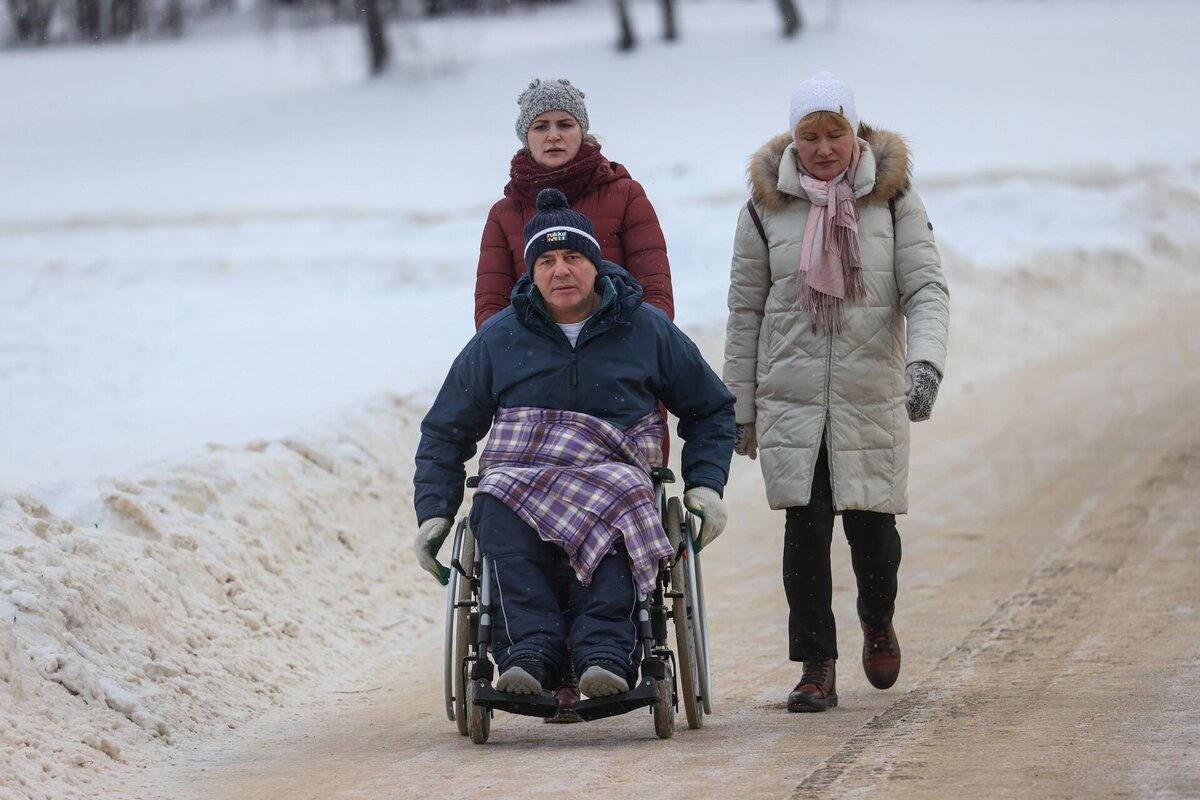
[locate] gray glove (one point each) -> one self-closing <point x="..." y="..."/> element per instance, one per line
<point x="746" y="441"/>
<point x="429" y="540"/>
<point x="710" y="508"/>
<point x="921" y="381"/>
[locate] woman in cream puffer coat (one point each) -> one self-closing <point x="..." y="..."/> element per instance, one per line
<point x="826" y="383"/>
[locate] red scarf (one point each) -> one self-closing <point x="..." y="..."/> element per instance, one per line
<point x="573" y="179"/>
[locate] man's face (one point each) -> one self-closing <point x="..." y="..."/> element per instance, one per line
<point x="567" y="281"/>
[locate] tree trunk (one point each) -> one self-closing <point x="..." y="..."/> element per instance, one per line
<point x="670" y="33"/>
<point x="172" y="21"/>
<point x="792" y="21"/>
<point x="377" y="42"/>
<point x="87" y="19"/>
<point x="31" y="19"/>
<point x="125" y="17"/>
<point x="627" y="40"/>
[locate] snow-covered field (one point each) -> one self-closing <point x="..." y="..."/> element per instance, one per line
<point x="232" y="270"/>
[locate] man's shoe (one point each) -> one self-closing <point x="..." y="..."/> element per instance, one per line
<point x="525" y="675"/>
<point x="602" y="678"/>
<point x="881" y="656"/>
<point x="817" y="689"/>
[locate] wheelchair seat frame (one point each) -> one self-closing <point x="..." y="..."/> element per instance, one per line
<point x="666" y="676"/>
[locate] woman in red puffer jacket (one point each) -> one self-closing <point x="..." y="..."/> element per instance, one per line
<point x="559" y="152"/>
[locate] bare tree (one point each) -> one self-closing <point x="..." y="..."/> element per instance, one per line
<point x="627" y="40"/>
<point x="101" y="20"/>
<point x="792" y="21"/>
<point x="377" y="43"/>
<point x="172" y="19"/>
<point x="31" y="19"/>
<point x="125" y="17"/>
<point x="87" y="19"/>
<point x="670" y="32"/>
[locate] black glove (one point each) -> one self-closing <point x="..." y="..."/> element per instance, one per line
<point x="921" y="381"/>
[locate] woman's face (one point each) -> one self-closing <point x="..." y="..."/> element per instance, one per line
<point x="825" y="145"/>
<point x="554" y="138"/>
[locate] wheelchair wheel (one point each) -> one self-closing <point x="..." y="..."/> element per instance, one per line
<point x="664" y="709"/>
<point x="686" y="655"/>
<point x="457" y="626"/>
<point x="700" y="627"/>
<point x="462" y="634"/>
<point x="479" y="719"/>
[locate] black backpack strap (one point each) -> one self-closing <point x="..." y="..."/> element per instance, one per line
<point x="757" y="222"/>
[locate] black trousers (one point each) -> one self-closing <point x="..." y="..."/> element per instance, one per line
<point x="807" y="580"/>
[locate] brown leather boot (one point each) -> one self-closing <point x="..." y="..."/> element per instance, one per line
<point x="817" y="689"/>
<point x="881" y="656"/>
<point x="567" y="696"/>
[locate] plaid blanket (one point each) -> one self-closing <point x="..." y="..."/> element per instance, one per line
<point x="580" y="482"/>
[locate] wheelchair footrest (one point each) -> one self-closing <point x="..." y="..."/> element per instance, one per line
<point x="529" y="705"/>
<point x="640" y="696"/>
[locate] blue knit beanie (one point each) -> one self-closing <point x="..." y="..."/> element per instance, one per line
<point x="556" y="227"/>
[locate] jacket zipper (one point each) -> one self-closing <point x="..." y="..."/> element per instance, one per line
<point x="574" y="379"/>
<point x="828" y="416"/>
<point x="587" y="329"/>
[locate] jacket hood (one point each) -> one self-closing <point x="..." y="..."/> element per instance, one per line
<point x="620" y="291"/>
<point x="893" y="168"/>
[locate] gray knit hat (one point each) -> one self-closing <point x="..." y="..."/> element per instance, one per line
<point x="550" y="95"/>
<point x="556" y="227"/>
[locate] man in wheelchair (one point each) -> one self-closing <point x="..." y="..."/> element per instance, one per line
<point x="569" y="379"/>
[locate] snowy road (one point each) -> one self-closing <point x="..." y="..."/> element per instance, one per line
<point x="1046" y="613"/>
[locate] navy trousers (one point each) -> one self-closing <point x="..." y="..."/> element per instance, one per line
<point x="528" y="618"/>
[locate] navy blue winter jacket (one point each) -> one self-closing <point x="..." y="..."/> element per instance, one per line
<point x="628" y="357"/>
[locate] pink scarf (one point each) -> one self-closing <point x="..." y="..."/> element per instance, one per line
<point x="830" y="259"/>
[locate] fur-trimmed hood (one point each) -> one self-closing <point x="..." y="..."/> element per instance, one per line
<point x="893" y="168"/>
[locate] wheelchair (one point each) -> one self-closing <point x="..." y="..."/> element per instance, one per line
<point x="667" y="676"/>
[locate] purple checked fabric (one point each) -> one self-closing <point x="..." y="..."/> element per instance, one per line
<point x="581" y="483"/>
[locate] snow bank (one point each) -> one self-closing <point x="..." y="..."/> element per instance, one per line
<point x="190" y="598"/>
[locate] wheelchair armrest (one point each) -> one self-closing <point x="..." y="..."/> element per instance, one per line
<point x="662" y="475"/>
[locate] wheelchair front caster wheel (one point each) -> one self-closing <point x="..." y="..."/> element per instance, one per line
<point x="664" y="709"/>
<point x="479" y="718"/>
